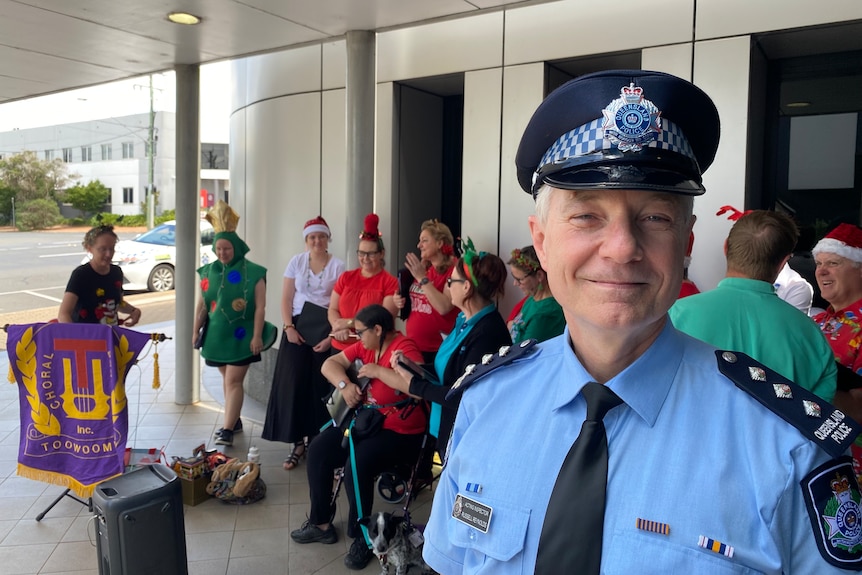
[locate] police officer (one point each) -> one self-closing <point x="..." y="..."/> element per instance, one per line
<point x="712" y="462"/>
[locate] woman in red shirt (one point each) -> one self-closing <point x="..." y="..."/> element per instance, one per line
<point x="398" y="442"/>
<point x="432" y="314"/>
<point x="369" y="283"/>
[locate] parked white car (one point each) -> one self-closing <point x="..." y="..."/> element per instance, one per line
<point x="148" y="261"/>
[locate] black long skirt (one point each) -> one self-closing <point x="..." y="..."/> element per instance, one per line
<point x="296" y="408"/>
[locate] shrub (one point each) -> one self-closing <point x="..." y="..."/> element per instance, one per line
<point x="38" y="215"/>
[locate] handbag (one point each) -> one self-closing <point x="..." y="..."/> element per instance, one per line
<point x="367" y="423"/>
<point x="336" y="405"/>
<point x="202" y="333"/>
<point x="237" y="482"/>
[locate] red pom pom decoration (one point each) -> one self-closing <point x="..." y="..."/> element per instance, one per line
<point x="370" y="229"/>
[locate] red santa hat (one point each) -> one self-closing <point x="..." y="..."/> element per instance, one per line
<point x="845" y="241"/>
<point x="318" y="224"/>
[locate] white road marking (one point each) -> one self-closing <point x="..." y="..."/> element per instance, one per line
<point x="78" y="254"/>
<point x="42" y="296"/>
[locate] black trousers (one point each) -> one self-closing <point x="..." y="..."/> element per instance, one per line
<point x="383" y="451"/>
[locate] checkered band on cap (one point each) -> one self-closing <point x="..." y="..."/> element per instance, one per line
<point x="590" y="137"/>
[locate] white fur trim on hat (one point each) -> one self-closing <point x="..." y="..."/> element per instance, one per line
<point x="315" y="228"/>
<point x="833" y="246"/>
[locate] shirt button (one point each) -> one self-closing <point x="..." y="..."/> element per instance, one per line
<point x="472" y="535"/>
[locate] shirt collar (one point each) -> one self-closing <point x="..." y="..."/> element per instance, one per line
<point x="747" y="284"/>
<point x="643" y="385"/>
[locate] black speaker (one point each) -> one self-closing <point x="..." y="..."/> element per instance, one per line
<point x="139" y="523"/>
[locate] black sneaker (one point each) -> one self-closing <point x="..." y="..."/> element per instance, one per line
<point x="224" y="437"/>
<point x="236" y="428"/>
<point x="310" y="533"/>
<point x="359" y="555"/>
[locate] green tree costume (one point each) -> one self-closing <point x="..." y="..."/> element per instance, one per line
<point x="228" y="293"/>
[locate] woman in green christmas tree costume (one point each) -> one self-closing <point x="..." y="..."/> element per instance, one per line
<point x="233" y="305"/>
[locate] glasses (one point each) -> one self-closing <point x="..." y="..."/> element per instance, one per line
<point x="359" y="332"/>
<point x="450" y="281"/>
<point x="360" y="254"/>
<point x="519" y="281"/>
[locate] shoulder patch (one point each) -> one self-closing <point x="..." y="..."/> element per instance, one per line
<point x="491" y="361"/>
<point x="832" y="499"/>
<point x="816" y="418"/>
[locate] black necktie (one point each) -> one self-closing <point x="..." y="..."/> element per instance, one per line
<point x="571" y="540"/>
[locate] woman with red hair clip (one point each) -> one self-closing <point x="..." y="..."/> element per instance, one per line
<point x="355" y="289"/>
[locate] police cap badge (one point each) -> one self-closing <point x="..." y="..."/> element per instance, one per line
<point x="620" y="129"/>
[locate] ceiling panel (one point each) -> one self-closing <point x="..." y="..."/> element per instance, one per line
<point x="53" y="45"/>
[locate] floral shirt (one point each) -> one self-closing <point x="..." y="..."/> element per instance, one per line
<point x="843" y="331"/>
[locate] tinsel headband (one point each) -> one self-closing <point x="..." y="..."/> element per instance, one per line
<point x="525" y="261"/>
<point x="470" y="256"/>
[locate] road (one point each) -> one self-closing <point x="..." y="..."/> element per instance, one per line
<point x="34" y="269"/>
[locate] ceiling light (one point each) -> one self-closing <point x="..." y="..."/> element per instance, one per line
<point x="183" y="18"/>
<point x="798" y="104"/>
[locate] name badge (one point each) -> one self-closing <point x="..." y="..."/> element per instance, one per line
<point x="472" y="513"/>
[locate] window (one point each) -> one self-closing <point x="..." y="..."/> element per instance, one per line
<point x="49" y="155"/>
<point x="128" y="150"/>
<point x="214" y="156"/>
<point x="86" y="154"/>
<point x="128" y="195"/>
<point x="67" y="155"/>
<point x="107" y="150"/>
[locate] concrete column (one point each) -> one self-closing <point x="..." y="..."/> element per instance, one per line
<point x="361" y="85"/>
<point x="187" y="383"/>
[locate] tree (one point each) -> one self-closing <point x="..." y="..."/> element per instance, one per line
<point x="87" y="199"/>
<point x="30" y="178"/>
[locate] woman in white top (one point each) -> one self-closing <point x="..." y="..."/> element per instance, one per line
<point x="295" y="412"/>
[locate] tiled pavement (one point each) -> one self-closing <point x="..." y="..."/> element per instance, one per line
<point x="221" y="539"/>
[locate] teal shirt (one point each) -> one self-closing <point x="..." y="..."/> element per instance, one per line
<point x="540" y="320"/>
<point x="746" y="315"/>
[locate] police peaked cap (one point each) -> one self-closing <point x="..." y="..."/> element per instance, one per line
<point x="620" y="129"/>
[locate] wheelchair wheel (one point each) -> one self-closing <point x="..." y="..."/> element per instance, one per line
<point x="391" y="487"/>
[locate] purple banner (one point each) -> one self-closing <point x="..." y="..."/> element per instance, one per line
<point x="71" y="387"/>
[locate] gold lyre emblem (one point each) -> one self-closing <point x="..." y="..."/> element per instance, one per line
<point x="84" y="394"/>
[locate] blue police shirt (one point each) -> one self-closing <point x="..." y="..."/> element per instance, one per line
<point x="688" y="452"/>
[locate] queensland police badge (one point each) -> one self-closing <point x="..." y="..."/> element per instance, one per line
<point x="833" y="501"/>
<point x="631" y="121"/>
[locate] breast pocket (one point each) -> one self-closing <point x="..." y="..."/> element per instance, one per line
<point x="661" y="556"/>
<point x="504" y="541"/>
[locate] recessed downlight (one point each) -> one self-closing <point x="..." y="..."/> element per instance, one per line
<point x="183" y="18"/>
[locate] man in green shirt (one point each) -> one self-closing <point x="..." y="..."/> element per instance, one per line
<point x="743" y="313"/>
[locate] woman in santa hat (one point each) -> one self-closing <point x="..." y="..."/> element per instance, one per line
<point x="295" y="412"/>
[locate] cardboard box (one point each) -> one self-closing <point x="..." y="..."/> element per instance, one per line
<point x="195" y="490"/>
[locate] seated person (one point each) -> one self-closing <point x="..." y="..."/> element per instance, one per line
<point x="476" y="282"/>
<point x="541" y="317"/>
<point x="398" y="442"/>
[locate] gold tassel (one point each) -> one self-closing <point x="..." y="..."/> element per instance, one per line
<point x="156" y="383"/>
<point x="156" y="338"/>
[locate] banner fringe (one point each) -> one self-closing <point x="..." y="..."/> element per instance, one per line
<point x="54" y="478"/>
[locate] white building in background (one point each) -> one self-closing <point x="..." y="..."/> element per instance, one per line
<point x="116" y="151"/>
<point x="102" y="133"/>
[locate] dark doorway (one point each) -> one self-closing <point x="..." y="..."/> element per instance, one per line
<point x="812" y="133"/>
<point x="428" y="148"/>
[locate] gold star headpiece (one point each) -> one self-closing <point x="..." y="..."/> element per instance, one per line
<point x="223" y="217"/>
